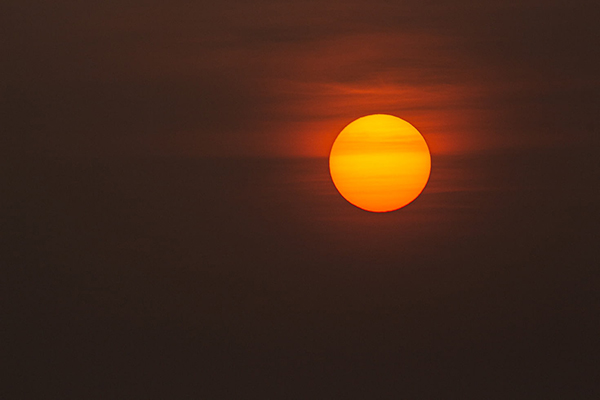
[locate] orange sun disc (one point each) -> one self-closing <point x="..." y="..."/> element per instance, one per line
<point x="380" y="163"/>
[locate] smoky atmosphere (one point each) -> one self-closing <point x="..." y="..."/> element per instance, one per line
<point x="173" y="226"/>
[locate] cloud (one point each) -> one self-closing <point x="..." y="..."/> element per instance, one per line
<point x="281" y="78"/>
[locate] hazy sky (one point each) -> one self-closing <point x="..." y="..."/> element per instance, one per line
<point x="207" y="275"/>
<point x="283" y="78"/>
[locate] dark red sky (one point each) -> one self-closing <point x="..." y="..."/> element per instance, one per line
<point x="282" y="78"/>
<point x="164" y="237"/>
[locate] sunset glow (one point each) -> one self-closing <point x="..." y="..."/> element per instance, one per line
<point x="380" y="163"/>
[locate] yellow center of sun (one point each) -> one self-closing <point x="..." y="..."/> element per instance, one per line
<point x="380" y="163"/>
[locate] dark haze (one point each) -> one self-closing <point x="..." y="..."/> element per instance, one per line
<point x="170" y="229"/>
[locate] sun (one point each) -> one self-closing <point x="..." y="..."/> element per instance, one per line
<point x="380" y="163"/>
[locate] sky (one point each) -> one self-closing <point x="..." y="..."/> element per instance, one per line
<point x="280" y="79"/>
<point x="170" y="228"/>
